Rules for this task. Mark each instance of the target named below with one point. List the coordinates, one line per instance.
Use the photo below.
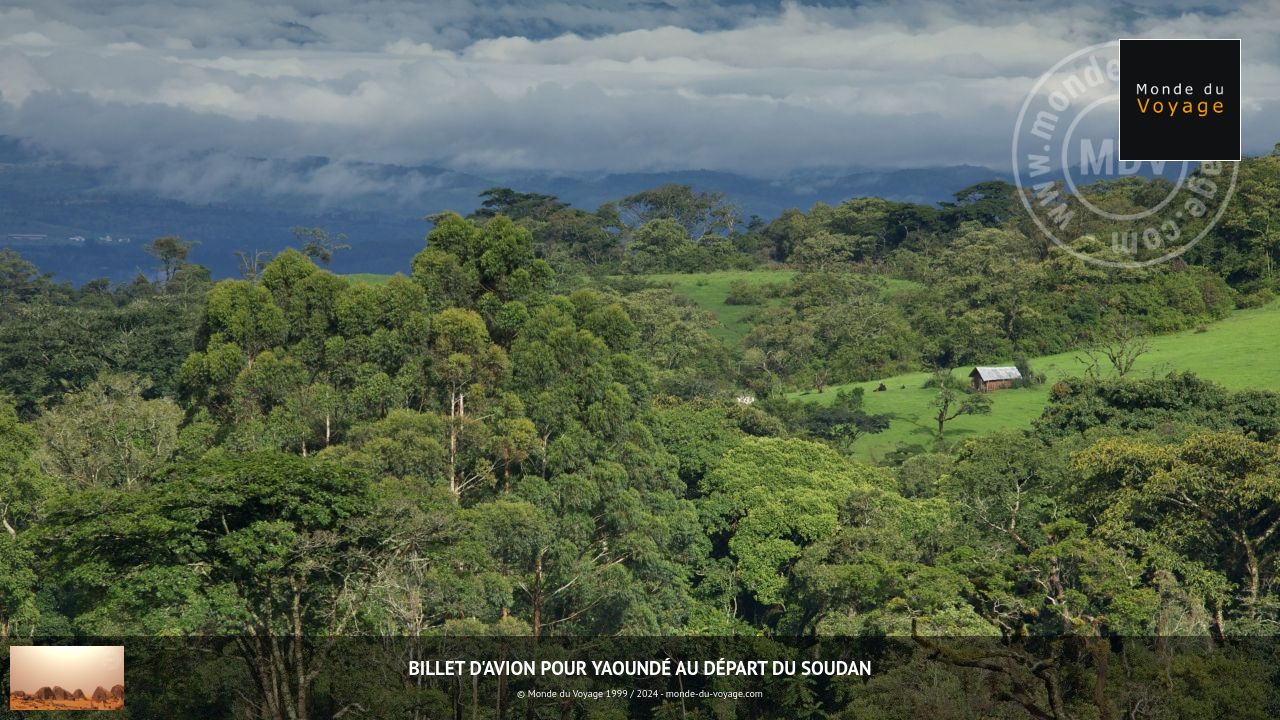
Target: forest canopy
(526, 434)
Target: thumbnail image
(66, 677)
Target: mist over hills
(83, 221)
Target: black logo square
(1179, 100)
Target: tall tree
(954, 400)
(269, 548)
(698, 212)
(108, 435)
(171, 251)
(19, 279)
(18, 472)
(318, 244)
(517, 205)
(769, 498)
(1212, 501)
(467, 364)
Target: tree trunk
(457, 698)
(1251, 567)
(502, 697)
(1219, 633)
(300, 668)
(536, 599)
(457, 412)
(1100, 648)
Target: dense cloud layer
(755, 88)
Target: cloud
(756, 88)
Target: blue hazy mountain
(81, 221)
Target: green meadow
(369, 278)
(709, 289)
(1242, 351)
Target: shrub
(1030, 378)
(743, 293)
(1255, 299)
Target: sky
(73, 667)
(758, 88)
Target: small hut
(986, 379)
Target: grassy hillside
(709, 290)
(1238, 352)
(370, 278)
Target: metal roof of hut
(996, 373)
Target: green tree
(171, 251)
(769, 498)
(467, 266)
(655, 244)
(1211, 502)
(953, 400)
(23, 488)
(318, 244)
(879, 572)
(24, 494)
(987, 202)
(246, 314)
(19, 279)
(466, 363)
(18, 608)
(1245, 244)
(1039, 577)
(109, 435)
(1122, 342)
(673, 335)
(697, 212)
(517, 205)
(270, 548)
(844, 421)
(825, 251)
(53, 344)
(1174, 401)
(579, 235)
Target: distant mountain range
(82, 221)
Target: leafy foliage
(496, 444)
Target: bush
(1030, 378)
(743, 293)
(953, 381)
(1255, 299)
